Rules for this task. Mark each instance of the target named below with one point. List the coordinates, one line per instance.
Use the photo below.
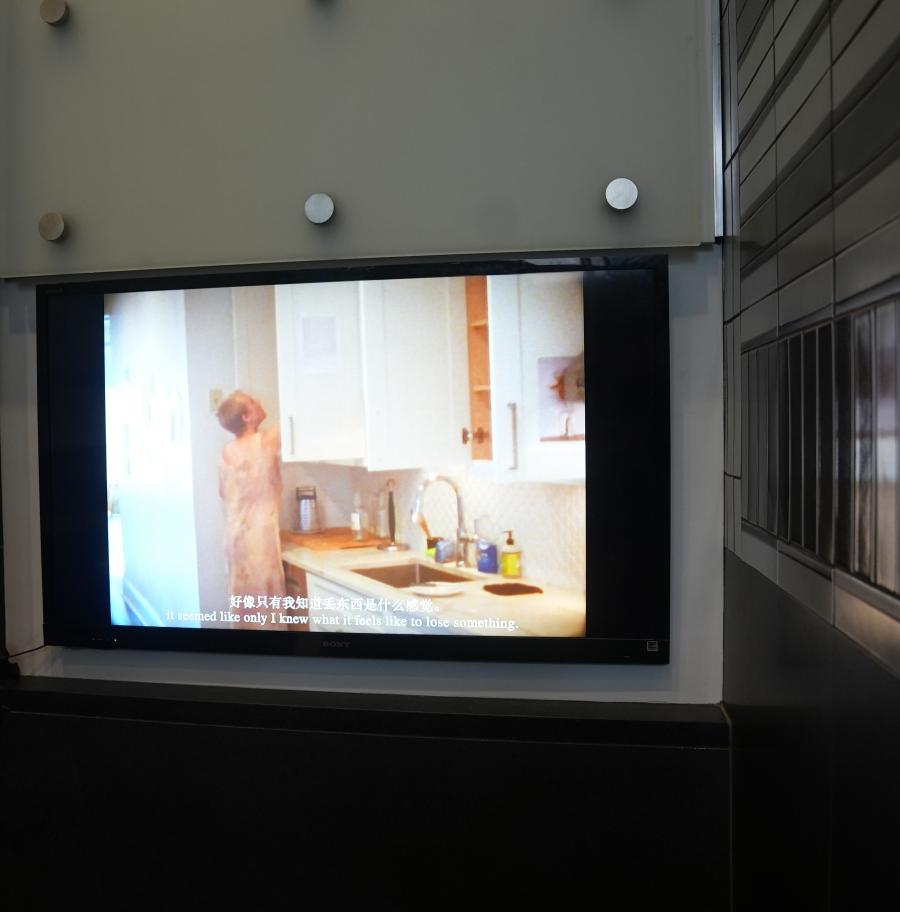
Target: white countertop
(555, 612)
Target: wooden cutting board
(335, 539)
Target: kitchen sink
(402, 575)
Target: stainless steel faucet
(462, 537)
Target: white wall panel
(695, 672)
(173, 133)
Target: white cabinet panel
(318, 587)
(328, 595)
(536, 329)
(551, 335)
(320, 385)
(333, 601)
(176, 133)
(416, 366)
(373, 373)
(506, 374)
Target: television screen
(448, 460)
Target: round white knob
(319, 208)
(54, 12)
(621, 193)
(52, 226)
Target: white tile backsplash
(334, 491)
(547, 520)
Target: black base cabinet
(622, 803)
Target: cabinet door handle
(479, 435)
(291, 432)
(513, 414)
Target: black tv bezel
(628, 558)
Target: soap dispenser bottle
(510, 558)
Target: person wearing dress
(250, 487)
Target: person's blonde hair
(231, 412)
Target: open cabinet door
(537, 344)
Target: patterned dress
(251, 491)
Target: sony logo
(336, 644)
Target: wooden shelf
(477, 335)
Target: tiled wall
(548, 520)
(811, 98)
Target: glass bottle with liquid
(510, 558)
(359, 522)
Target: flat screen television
(445, 460)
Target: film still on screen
(398, 456)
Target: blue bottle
(486, 549)
(487, 556)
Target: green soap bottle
(510, 558)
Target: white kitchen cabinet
(416, 365)
(334, 600)
(322, 591)
(373, 373)
(320, 389)
(536, 325)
